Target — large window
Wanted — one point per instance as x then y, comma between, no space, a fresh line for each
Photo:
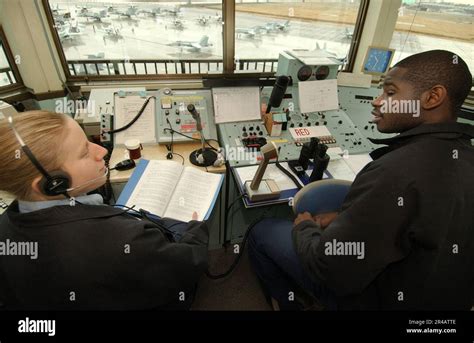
9,75
119,37
266,28
123,38
428,25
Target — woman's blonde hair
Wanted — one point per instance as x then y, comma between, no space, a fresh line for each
43,132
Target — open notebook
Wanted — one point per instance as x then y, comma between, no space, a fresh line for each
168,189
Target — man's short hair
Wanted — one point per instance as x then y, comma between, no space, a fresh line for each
439,67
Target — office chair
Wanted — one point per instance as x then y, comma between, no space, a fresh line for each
321,196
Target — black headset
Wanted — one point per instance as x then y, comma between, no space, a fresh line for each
53,183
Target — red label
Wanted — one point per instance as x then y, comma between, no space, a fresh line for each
302,132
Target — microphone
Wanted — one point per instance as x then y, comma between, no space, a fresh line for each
278,92
89,182
201,157
196,116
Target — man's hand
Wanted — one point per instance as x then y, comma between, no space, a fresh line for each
302,217
324,219
195,216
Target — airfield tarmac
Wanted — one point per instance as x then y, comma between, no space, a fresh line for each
146,37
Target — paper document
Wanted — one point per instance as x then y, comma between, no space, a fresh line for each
347,168
272,172
236,104
168,189
318,96
126,108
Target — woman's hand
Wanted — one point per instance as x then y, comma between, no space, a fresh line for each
195,216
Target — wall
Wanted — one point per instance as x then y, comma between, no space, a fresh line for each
24,23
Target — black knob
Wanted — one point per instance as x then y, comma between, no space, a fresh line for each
167,112
257,128
251,128
244,134
261,133
244,129
317,123
292,125
178,121
325,123
177,111
309,124
366,127
340,121
300,124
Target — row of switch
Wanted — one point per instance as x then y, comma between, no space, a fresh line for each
245,134
167,112
257,128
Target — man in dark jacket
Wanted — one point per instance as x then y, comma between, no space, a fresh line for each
404,236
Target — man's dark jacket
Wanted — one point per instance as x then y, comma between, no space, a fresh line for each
97,257
413,207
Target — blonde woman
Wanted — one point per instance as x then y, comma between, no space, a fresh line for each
61,254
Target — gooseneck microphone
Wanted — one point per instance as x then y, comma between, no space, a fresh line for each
196,116
202,157
278,92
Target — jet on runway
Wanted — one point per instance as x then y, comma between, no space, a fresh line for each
193,46
276,26
251,32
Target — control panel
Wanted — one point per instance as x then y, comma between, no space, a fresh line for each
172,115
356,102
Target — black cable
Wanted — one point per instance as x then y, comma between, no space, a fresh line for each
140,112
175,153
244,241
168,233
196,139
239,255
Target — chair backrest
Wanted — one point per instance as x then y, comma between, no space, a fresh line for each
321,196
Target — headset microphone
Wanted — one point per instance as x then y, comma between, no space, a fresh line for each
89,182
55,182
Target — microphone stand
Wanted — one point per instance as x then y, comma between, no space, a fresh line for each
202,157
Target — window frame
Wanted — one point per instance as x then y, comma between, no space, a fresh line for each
13,67
228,53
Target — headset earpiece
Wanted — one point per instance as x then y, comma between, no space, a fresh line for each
58,183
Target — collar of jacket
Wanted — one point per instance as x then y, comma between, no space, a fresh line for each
452,130
59,214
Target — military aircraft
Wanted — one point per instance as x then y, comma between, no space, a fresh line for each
202,20
348,33
174,12
324,52
95,15
277,26
129,12
156,11
251,32
111,32
68,32
193,46
178,24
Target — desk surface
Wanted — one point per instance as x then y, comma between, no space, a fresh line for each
157,152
